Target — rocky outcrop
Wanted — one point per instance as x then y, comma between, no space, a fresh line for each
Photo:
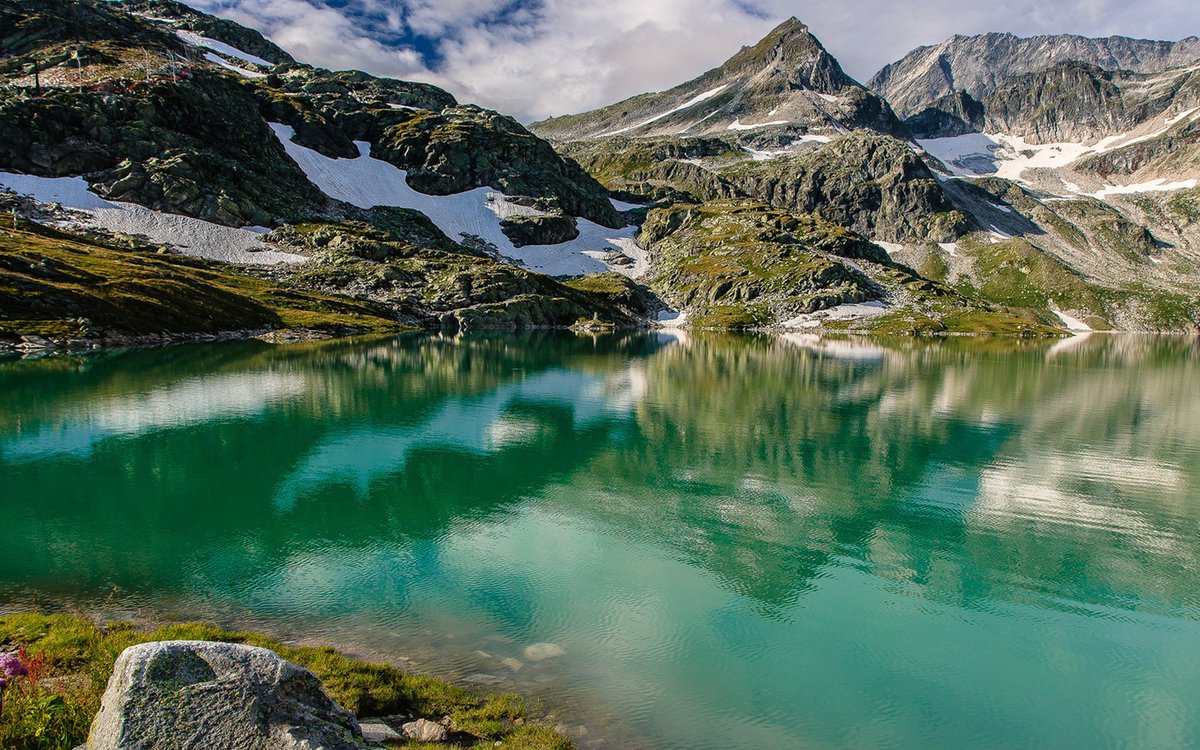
543,229
166,145
951,115
745,264
439,282
172,695
873,184
466,147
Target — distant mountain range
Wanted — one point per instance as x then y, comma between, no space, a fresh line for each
177,174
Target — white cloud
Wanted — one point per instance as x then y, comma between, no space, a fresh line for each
538,58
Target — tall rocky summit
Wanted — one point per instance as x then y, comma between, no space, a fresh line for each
788,81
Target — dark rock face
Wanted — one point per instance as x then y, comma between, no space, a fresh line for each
166,145
872,184
466,147
551,229
1075,102
27,26
173,695
952,115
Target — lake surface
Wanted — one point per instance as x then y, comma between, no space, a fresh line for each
754,542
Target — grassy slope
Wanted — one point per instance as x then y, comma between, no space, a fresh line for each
71,657
65,286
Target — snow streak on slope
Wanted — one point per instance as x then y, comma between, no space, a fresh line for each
689,103
739,125
244,73
367,182
194,237
1154,186
202,41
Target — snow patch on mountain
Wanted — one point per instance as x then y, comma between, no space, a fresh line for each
1009,156
689,103
194,237
739,125
980,154
196,40
892,248
623,206
1072,324
758,155
1154,186
367,181
847,311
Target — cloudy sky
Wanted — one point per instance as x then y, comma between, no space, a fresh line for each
536,58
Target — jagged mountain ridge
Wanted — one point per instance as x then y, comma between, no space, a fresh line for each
1067,102
978,64
786,82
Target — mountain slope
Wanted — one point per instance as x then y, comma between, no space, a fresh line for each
978,64
786,82
193,134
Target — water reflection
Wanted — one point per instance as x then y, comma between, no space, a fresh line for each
748,541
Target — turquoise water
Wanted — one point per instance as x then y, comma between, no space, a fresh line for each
735,542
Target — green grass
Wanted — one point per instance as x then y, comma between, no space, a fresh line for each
61,285
1016,274
71,657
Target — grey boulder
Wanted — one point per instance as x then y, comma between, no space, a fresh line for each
424,730
173,695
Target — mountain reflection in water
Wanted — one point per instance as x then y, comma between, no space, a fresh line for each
739,541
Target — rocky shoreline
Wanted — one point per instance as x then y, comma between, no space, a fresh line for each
237,689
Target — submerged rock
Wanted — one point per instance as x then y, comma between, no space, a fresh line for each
219,696
540,651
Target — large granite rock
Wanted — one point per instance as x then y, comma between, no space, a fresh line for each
218,696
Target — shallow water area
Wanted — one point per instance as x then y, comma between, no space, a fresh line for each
670,540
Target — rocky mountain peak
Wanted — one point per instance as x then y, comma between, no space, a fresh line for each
787,81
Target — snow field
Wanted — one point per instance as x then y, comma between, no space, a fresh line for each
194,237
367,181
